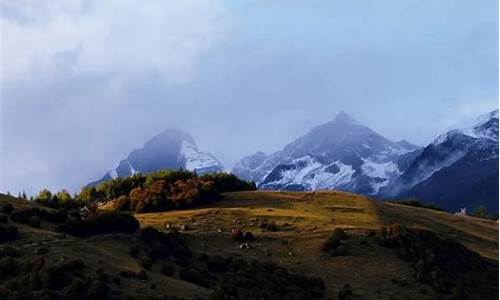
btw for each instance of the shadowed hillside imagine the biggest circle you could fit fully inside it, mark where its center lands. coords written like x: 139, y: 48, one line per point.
x: 250, y: 244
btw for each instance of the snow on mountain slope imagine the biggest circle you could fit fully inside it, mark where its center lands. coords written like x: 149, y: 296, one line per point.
x: 198, y: 161
x: 171, y: 149
x: 379, y: 169
x: 365, y: 160
x: 306, y: 174
x: 447, y: 164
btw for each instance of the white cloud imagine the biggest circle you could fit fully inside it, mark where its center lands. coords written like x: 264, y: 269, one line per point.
x: 113, y: 36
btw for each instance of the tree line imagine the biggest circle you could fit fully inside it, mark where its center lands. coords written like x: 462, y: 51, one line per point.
x: 157, y: 191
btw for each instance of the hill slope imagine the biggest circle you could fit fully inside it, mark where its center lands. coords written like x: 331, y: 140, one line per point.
x: 302, y: 221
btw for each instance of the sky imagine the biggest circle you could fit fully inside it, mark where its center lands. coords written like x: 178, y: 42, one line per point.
x: 82, y: 83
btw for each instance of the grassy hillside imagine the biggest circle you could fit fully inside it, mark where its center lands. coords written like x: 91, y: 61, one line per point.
x: 289, y: 229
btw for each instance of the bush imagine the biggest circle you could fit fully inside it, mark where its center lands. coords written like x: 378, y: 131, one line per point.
x: 237, y: 235
x: 269, y: 226
x: 98, y: 290
x: 481, y: 212
x: 24, y: 215
x: 334, y: 240
x: 266, y: 281
x: 7, y: 208
x: 134, y: 250
x: 141, y: 275
x: 34, y: 221
x: 60, y: 275
x: 162, y: 245
x: 417, y: 203
x: 8, y: 267
x: 438, y: 262
x: 146, y: 262
x: 9, y: 251
x: 345, y: 291
x: 194, y: 276
x: 104, y: 223
x: 168, y: 270
x: 217, y: 264
x: 57, y: 216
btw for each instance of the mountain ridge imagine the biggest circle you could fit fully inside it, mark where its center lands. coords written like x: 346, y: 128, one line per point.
x: 346, y: 155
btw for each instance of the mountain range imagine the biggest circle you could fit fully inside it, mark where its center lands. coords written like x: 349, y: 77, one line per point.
x: 458, y: 169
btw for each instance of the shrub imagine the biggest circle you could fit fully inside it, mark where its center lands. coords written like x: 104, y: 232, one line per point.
x: 134, y: 250
x: 334, y: 240
x: 8, y: 267
x: 158, y: 250
x: 166, y: 244
x: 438, y: 262
x: 34, y: 221
x: 57, y: 276
x: 141, y: 275
x: 76, y: 289
x: 481, y: 212
x: 146, y: 262
x: 237, y: 235
x: 9, y: 251
x: 266, y: 281
x: 168, y: 270
x: 104, y: 223
x: 57, y: 216
x: 248, y: 236
x: 345, y: 291
x: 7, y: 208
x: 98, y: 290
x: 217, y: 264
x: 269, y: 226
x: 24, y: 215
x: 122, y: 203
x: 194, y: 276
x: 417, y: 203
x: 101, y: 275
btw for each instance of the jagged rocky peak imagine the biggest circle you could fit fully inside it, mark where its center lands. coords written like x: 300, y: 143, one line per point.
x: 342, y: 153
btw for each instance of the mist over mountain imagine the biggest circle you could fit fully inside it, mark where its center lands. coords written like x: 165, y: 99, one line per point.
x: 458, y: 169
x: 171, y: 149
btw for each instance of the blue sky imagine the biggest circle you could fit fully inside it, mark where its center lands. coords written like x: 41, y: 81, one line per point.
x: 85, y: 82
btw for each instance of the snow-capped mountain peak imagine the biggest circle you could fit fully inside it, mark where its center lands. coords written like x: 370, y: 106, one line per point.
x: 485, y: 126
x: 342, y: 154
x: 171, y: 149
x: 459, y: 168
